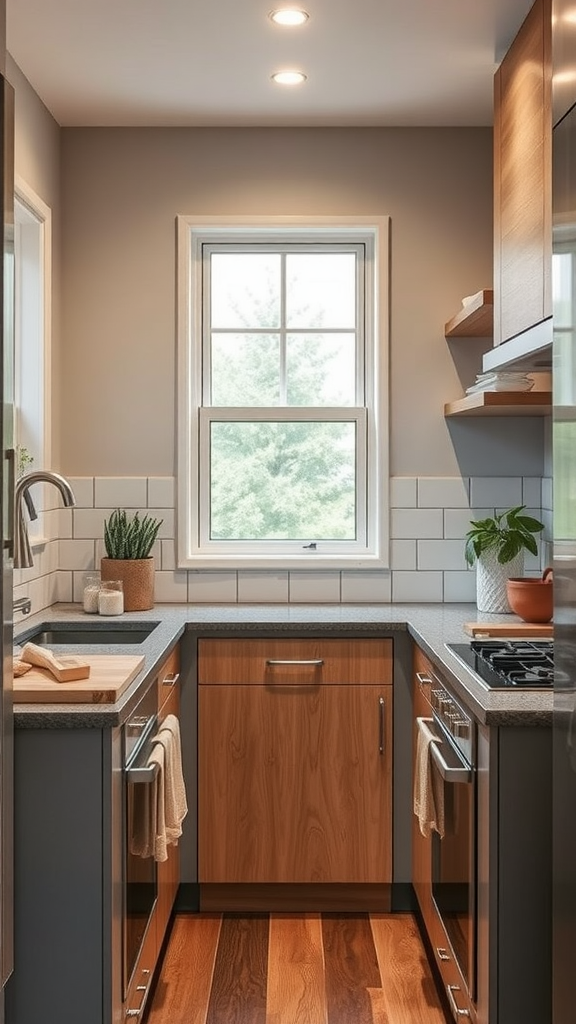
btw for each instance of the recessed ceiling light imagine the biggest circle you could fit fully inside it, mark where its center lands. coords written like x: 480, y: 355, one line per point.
x: 289, y: 77
x: 289, y: 16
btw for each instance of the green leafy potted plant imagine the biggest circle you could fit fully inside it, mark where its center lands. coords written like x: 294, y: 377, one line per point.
x: 497, y: 544
x: 128, y: 544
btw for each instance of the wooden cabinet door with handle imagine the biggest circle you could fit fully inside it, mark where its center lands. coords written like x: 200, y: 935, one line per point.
x: 295, y: 767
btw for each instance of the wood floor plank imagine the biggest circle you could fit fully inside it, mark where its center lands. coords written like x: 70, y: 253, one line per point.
x: 296, y: 992
x: 351, y: 968
x: 239, y: 981
x: 410, y: 995
x: 183, y: 989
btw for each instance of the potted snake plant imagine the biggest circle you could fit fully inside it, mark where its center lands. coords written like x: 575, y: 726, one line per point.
x: 128, y: 544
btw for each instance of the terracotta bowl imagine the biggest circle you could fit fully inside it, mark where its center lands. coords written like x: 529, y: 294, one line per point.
x: 531, y: 599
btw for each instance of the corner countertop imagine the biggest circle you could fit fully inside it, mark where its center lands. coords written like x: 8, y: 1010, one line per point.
x: 432, y: 626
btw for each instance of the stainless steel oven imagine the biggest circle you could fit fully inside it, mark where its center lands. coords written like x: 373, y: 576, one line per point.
x: 453, y: 868
x: 140, y: 882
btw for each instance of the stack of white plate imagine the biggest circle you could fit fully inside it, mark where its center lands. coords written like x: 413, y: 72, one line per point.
x: 501, y: 380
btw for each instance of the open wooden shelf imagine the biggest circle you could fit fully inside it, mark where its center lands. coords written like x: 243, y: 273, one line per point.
x: 502, y: 403
x: 475, y: 319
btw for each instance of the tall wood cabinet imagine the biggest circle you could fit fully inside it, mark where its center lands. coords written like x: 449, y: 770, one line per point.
x: 522, y: 179
x: 294, y: 762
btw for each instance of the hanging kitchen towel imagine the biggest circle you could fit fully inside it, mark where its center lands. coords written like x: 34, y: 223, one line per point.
x: 428, y: 785
x: 146, y: 812
x: 176, y: 807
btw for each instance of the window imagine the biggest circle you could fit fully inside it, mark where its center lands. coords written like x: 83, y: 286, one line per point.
x: 32, y: 244
x: 282, y: 393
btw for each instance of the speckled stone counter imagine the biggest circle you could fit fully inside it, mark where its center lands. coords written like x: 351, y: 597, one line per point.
x: 432, y: 626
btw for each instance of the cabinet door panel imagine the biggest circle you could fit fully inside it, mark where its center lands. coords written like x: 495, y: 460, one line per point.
x: 293, y: 786
x: 522, y: 179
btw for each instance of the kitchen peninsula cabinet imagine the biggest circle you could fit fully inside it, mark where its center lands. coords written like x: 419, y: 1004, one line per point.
x: 70, y: 836
x: 295, y: 772
x: 522, y: 179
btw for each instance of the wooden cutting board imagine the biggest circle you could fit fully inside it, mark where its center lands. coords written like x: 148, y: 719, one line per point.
x: 520, y: 629
x: 110, y: 674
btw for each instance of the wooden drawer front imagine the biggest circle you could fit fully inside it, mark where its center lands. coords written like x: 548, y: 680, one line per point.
x: 357, y: 662
x: 168, y: 676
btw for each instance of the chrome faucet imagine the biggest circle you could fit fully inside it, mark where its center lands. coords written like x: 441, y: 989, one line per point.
x: 22, y: 550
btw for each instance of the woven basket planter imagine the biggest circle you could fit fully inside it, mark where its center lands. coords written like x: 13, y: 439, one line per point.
x: 137, y: 575
x: 491, y: 578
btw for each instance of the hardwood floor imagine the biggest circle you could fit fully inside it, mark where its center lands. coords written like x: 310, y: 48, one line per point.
x: 295, y: 969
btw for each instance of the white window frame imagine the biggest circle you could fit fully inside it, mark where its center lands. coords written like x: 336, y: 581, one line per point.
x: 195, y: 550
x: 32, y: 336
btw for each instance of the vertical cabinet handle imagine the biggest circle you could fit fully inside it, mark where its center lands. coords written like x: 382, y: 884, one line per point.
x: 8, y: 538
x: 381, y: 723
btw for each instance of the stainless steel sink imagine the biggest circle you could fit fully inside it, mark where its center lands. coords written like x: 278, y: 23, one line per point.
x: 56, y: 633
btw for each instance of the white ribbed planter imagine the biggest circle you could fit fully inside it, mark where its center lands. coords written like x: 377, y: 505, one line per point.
x: 491, y: 578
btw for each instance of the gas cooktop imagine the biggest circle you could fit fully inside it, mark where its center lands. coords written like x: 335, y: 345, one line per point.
x: 509, y: 664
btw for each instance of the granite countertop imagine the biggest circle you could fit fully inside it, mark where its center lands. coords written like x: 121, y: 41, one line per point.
x: 432, y: 626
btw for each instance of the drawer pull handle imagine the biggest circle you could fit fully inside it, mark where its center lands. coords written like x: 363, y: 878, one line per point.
x: 295, y: 661
x: 381, y: 723
x: 171, y: 679
x: 442, y: 953
x: 457, y: 1012
x: 423, y: 679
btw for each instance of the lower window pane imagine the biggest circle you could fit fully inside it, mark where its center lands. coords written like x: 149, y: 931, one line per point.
x: 283, y: 481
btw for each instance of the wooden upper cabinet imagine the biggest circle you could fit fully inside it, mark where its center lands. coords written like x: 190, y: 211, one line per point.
x: 522, y: 178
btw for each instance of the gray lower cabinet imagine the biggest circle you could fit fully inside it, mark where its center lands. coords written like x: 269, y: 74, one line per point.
x: 68, y: 852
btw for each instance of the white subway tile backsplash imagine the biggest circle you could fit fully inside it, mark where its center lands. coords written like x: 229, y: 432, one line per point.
x: 314, y: 587
x: 64, y: 522
x: 416, y: 523
x: 430, y: 517
x: 171, y: 587
x: 83, y: 487
x: 457, y: 522
x: 441, y: 554
x: 532, y: 491
x: 403, y: 492
x: 62, y: 584
x: 76, y: 554
x: 368, y: 587
x: 161, y: 492
x: 262, y: 587
x: 403, y: 554
x: 89, y: 522
x: 460, y: 586
x: 166, y: 557
x: 495, y: 491
x: 408, y: 587
x: 168, y: 526
x: 212, y: 587
x: 443, y: 492
x: 120, y: 492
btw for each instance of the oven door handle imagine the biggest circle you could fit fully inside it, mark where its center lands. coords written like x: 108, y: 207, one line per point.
x: 447, y: 772
x: 146, y: 774
x: 456, y: 771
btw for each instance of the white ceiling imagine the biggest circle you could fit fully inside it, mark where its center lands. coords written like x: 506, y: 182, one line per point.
x: 187, y: 63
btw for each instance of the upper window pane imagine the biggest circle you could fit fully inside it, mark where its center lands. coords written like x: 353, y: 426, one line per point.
x: 321, y: 369
x: 321, y: 290
x: 245, y: 369
x: 245, y: 290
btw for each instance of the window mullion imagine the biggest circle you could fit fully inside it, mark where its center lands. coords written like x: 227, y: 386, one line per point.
x: 283, y: 380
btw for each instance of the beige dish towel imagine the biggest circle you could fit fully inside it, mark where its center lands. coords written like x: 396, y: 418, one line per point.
x: 159, y: 808
x: 428, y: 785
x: 176, y: 807
x: 146, y: 812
